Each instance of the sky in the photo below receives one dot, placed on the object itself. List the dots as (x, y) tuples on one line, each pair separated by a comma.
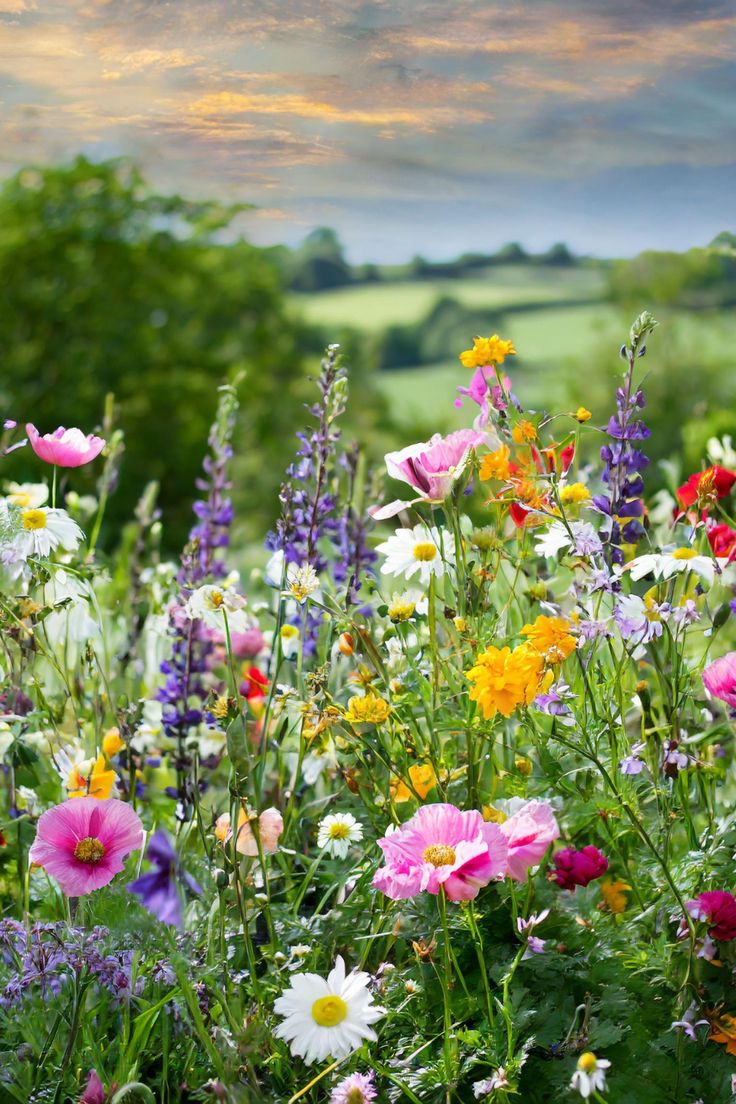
[(410, 126)]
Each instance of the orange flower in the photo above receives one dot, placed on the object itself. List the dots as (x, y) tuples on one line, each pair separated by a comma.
[(723, 1030), (423, 779), (504, 679), (90, 779), (551, 637), (495, 465), (523, 432), (614, 894)]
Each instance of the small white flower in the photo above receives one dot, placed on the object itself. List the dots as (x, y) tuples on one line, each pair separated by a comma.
[(663, 565), (421, 551), (590, 1076), (327, 1017), (40, 530), (290, 641), (211, 603), (301, 581), (27, 494), (336, 832)]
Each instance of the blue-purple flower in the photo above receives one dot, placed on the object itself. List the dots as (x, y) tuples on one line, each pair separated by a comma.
[(161, 890)]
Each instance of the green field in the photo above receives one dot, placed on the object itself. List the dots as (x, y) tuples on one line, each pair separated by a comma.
[(371, 307)]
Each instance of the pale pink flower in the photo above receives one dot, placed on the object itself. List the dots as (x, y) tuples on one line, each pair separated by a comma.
[(270, 827), (430, 468), (65, 448), (528, 834), (84, 842), (441, 847), (719, 679)]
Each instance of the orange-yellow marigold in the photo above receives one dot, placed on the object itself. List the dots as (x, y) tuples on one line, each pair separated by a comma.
[(614, 894), (523, 432), (723, 1030), (504, 679), (495, 465), (486, 351), (422, 777), (551, 638)]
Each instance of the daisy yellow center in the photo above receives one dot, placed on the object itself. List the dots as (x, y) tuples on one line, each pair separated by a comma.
[(339, 831), (439, 855), (90, 851), (684, 554), (34, 519), (289, 632), (587, 1062), (329, 1011), (216, 599), (424, 551)]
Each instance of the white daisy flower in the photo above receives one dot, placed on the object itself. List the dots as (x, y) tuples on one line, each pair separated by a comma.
[(40, 530), (301, 581), (327, 1018), (421, 550), (27, 494), (590, 1076), (210, 603), (290, 640), (579, 536), (336, 832), (663, 565)]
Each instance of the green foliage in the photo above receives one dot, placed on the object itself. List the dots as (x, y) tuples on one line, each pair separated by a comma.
[(697, 278), (107, 287)]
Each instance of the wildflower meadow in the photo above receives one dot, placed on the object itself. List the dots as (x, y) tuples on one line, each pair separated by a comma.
[(437, 804)]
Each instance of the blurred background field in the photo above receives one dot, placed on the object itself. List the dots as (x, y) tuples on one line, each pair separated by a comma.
[(107, 287)]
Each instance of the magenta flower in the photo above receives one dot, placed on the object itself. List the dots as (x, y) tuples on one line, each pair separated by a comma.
[(441, 847), (578, 868), (65, 448), (94, 1093), (528, 834), (84, 842), (430, 468), (718, 909), (719, 679)]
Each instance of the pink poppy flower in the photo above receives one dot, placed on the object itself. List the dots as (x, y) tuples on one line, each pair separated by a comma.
[(528, 833), (441, 846), (430, 468), (65, 448), (578, 868), (719, 679), (94, 1093), (84, 842)]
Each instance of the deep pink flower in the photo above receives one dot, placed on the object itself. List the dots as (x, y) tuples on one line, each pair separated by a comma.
[(719, 678), (528, 833), (441, 846), (718, 909), (430, 468), (94, 1093), (65, 448), (84, 842), (578, 868)]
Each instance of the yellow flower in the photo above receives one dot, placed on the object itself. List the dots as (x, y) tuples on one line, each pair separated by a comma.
[(460, 624), (495, 465), (491, 813), (401, 609), (524, 431), (90, 779), (504, 679), (614, 894), (573, 493), (523, 765), (723, 1030), (551, 638), (368, 709), (423, 779), (486, 351), (582, 415), (111, 742)]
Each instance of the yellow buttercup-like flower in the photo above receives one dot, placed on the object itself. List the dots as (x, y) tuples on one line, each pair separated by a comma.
[(487, 351), (423, 779), (551, 638), (582, 414), (573, 493), (91, 779), (504, 679), (367, 709)]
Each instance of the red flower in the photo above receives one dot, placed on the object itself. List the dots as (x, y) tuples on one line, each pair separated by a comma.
[(722, 540), (578, 868), (254, 685), (718, 909), (721, 479)]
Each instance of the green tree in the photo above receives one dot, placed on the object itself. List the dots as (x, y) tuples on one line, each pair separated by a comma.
[(106, 286)]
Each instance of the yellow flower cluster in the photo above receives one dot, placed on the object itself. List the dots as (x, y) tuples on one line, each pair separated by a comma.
[(486, 351), (504, 679), (551, 638), (367, 709), (495, 465)]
